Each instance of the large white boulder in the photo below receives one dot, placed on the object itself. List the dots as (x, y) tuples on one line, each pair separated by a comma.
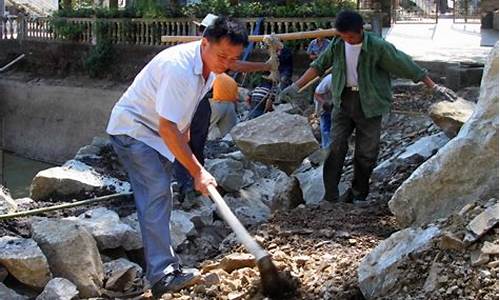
[(25, 261), (72, 253), (276, 138), (464, 170), (72, 179)]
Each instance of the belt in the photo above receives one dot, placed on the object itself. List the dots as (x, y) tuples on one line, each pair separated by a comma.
[(352, 88)]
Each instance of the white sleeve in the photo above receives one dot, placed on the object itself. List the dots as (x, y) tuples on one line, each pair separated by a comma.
[(173, 96), (325, 84)]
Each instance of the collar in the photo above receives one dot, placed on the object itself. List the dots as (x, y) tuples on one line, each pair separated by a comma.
[(198, 63)]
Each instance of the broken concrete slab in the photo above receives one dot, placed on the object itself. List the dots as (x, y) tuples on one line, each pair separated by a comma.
[(25, 261), (68, 246), (59, 289)]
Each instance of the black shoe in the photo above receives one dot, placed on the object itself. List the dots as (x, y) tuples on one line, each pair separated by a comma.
[(172, 283)]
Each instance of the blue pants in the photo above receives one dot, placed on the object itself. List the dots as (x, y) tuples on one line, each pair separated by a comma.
[(198, 138), (149, 174), (325, 124)]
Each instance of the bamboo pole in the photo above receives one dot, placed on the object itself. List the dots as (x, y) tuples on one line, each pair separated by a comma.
[(61, 206)]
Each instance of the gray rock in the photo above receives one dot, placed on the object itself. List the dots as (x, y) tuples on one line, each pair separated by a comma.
[(229, 173), (423, 148), (481, 224), (25, 261), (94, 149), (7, 204), (249, 211), (287, 193), (311, 184), (464, 170), (108, 230), (431, 282), (378, 271), (417, 152), (133, 238), (59, 289), (72, 179), (6, 293), (181, 227), (276, 138), (3, 273), (72, 253), (121, 275), (451, 116), (489, 248), (478, 258)]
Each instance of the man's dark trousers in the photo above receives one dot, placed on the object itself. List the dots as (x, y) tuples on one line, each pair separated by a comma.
[(367, 139), (198, 138)]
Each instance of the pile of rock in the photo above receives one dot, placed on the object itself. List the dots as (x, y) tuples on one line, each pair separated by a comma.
[(456, 257)]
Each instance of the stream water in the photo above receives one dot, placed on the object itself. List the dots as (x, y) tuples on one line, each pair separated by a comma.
[(18, 173)]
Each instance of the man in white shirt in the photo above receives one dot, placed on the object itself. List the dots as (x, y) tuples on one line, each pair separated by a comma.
[(149, 128), (323, 99)]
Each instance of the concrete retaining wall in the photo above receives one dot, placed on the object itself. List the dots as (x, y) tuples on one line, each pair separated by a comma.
[(50, 123)]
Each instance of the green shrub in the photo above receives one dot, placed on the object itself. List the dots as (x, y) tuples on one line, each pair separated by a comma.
[(65, 30), (100, 58)]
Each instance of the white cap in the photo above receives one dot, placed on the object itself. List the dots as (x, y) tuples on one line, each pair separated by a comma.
[(207, 21)]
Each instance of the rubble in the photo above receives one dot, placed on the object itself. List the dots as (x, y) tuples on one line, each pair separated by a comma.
[(122, 275), (465, 169), (482, 224), (7, 204)]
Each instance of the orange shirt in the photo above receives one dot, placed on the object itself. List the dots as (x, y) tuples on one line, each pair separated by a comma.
[(225, 88)]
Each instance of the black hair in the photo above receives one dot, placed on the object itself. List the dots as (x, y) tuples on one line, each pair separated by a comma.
[(349, 21), (224, 27)]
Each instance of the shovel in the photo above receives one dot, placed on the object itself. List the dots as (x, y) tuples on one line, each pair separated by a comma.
[(273, 283)]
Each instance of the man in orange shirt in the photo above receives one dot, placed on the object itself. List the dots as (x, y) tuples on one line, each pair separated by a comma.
[(225, 94)]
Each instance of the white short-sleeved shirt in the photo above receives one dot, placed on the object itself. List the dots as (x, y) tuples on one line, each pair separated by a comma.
[(170, 86), (323, 88)]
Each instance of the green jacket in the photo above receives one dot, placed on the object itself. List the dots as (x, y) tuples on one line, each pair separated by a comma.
[(377, 61)]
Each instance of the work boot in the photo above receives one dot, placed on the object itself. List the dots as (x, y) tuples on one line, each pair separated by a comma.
[(172, 283)]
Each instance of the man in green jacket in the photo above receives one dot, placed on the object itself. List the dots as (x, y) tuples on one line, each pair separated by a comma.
[(361, 89)]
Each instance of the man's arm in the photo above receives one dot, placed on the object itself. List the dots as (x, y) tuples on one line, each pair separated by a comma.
[(177, 144), (248, 66)]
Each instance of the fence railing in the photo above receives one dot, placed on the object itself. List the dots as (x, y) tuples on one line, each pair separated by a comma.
[(135, 31)]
